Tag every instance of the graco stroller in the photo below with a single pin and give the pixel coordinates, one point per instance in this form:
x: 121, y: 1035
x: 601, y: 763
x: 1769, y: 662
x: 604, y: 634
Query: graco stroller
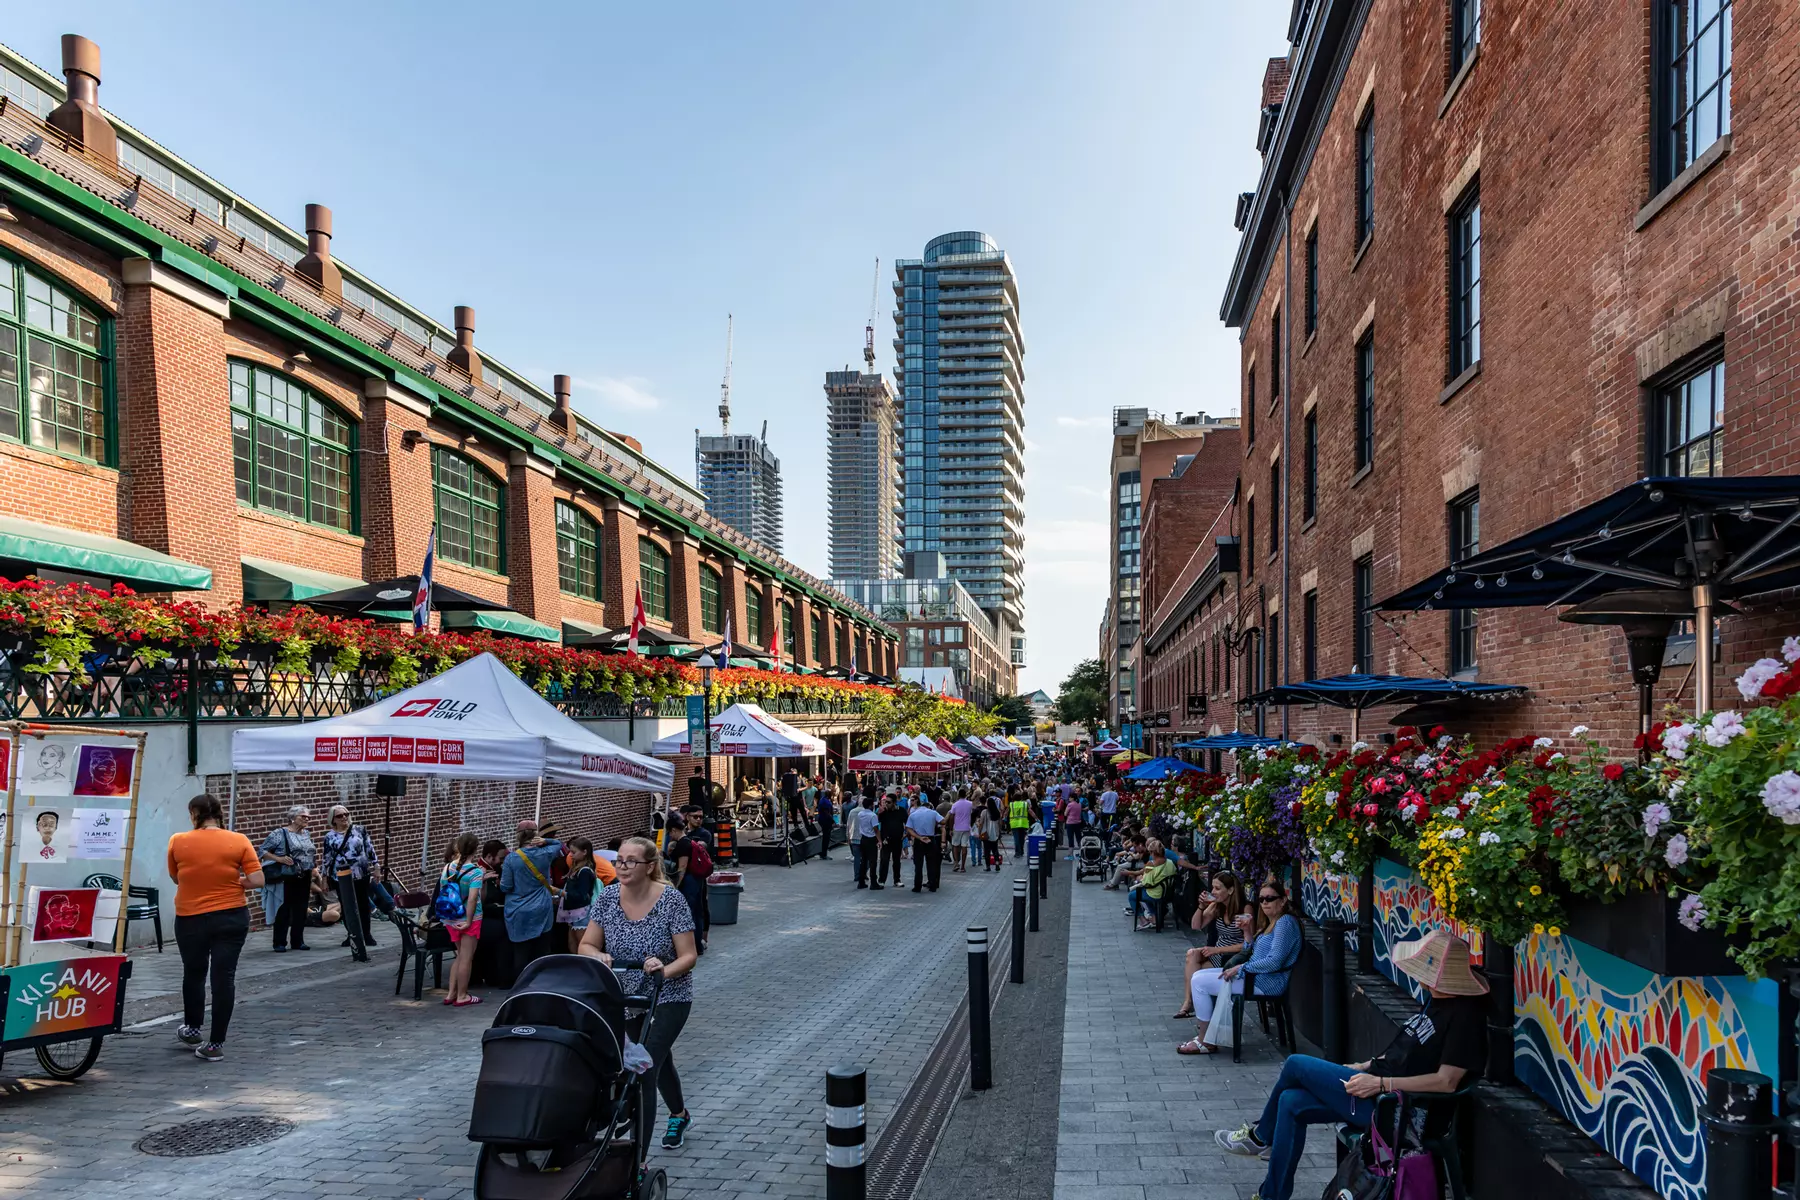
x: 556, y: 1111
x: 1090, y: 857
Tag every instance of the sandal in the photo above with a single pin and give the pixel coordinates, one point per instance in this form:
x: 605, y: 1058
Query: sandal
x: 466, y: 1001
x: 1188, y: 1015
x: 1196, y: 1047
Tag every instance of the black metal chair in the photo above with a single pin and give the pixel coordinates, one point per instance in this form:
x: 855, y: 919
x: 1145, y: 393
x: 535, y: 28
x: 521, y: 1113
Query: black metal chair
x: 1275, y: 1004
x: 150, y: 910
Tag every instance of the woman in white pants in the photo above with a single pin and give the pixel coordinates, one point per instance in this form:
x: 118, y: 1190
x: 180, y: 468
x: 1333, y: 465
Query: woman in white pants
x: 1272, y: 953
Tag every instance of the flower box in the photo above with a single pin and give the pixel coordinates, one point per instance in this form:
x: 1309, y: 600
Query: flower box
x: 262, y: 653
x: 1643, y: 930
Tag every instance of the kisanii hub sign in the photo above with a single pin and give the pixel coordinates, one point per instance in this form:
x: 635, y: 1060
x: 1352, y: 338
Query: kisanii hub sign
x: 60, y: 997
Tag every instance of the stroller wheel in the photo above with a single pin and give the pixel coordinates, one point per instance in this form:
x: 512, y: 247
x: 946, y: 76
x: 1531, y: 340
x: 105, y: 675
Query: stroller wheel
x: 655, y: 1185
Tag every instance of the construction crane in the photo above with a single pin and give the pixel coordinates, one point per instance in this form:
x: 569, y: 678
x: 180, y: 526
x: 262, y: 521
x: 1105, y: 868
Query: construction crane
x: 725, y: 387
x: 869, y: 329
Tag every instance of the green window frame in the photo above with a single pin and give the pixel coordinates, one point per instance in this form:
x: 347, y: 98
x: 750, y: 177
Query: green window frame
x: 753, y: 614
x: 577, y: 551
x: 818, y: 639
x: 62, y: 401
x: 653, y: 578
x: 789, y: 639
x: 471, y: 512
x: 712, y: 610
x: 293, y: 453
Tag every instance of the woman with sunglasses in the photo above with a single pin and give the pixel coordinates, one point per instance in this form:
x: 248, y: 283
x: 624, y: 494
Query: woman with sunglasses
x: 642, y: 918
x: 1272, y: 952
x: 1226, y: 915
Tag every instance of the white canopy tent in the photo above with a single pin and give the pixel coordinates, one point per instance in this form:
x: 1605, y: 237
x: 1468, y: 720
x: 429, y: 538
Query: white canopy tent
x: 475, y: 721
x: 746, y: 731
x: 900, y: 754
x: 931, y: 749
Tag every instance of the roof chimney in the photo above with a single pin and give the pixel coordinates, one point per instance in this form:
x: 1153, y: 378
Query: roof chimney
x: 464, y: 354
x: 79, y: 115
x: 317, y: 265
x: 564, y: 416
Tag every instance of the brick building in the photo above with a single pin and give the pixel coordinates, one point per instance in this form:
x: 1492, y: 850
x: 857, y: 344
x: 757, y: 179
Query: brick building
x: 181, y: 375
x: 1502, y: 261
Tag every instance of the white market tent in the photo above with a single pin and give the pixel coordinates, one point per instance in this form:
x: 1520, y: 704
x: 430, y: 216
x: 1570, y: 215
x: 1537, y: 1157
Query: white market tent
x: 899, y: 754
x: 998, y: 745
x: 746, y: 731
x: 475, y: 721
x: 931, y: 749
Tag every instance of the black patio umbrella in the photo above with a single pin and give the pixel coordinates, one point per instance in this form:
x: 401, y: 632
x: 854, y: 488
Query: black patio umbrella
x: 396, y: 595
x: 649, y: 637
x: 1357, y: 692
x: 1705, y: 539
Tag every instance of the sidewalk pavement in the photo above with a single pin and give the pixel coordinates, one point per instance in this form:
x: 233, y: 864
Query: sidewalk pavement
x: 1136, y: 1118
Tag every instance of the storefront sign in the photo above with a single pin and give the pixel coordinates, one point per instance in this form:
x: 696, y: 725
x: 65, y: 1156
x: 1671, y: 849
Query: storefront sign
x: 62, y: 997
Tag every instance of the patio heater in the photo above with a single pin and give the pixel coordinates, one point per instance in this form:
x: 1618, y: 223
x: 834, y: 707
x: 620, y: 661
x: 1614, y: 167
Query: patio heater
x: 1646, y: 616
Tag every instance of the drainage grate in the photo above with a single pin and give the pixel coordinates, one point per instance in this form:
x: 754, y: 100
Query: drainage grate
x: 898, y: 1159
x: 195, y: 1138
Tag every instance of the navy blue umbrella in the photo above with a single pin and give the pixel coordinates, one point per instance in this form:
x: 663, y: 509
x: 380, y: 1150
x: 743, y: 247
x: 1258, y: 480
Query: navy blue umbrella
x: 1357, y: 692
x: 1160, y: 768
x: 1232, y: 741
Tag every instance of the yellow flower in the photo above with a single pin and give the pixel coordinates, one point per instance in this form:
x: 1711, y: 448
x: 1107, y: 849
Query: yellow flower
x: 1555, y: 931
x: 1538, y: 928
x: 1536, y: 890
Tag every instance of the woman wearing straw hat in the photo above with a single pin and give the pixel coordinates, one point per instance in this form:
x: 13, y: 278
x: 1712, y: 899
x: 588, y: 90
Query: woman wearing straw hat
x: 1437, y: 1050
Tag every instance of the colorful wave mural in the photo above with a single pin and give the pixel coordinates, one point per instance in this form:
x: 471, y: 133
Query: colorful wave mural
x: 1329, y: 897
x: 1624, y: 1054
x: 1405, y: 909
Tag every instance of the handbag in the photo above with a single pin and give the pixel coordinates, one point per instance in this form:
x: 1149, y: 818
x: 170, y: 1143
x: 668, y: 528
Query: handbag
x: 276, y: 872
x: 1383, y: 1170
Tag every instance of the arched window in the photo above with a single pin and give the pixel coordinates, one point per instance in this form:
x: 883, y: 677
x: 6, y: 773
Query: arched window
x: 653, y: 577
x: 818, y: 639
x: 753, y: 614
x: 292, y: 452
x: 577, y: 551
x: 63, y: 401
x: 789, y: 639
x: 712, y: 611
x: 470, y: 508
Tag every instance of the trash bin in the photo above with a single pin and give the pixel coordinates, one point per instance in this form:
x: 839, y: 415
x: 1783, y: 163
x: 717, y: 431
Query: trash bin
x: 722, y: 891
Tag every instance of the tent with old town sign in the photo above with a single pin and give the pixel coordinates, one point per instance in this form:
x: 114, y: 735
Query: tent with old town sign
x: 746, y: 731
x: 899, y: 754
x: 475, y: 721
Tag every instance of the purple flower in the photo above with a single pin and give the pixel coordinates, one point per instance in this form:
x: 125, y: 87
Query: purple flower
x: 1722, y: 728
x: 1692, y: 913
x: 1654, y: 817
x: 1781, y: 796
x: 1750, y: 683
x: 1676, y: 737
x: 1677, y: 852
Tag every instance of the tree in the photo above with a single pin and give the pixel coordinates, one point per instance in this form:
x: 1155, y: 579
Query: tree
x: 1012, y: 710
x: 910, y: 709
x: 1082, y: 698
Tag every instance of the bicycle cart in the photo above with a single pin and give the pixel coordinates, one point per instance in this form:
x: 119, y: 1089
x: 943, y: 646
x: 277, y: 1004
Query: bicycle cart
x: 71, y: 800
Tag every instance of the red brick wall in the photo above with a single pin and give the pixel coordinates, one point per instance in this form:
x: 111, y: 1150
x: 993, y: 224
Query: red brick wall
x: 1177, y: 510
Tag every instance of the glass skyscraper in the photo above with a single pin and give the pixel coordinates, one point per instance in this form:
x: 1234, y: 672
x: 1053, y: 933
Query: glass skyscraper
x: 961, y: 367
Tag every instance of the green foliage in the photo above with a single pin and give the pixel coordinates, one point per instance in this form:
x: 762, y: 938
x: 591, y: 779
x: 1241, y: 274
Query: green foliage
x: 1082, y: 698
x: 1012, y: 710
x: 913, y: 710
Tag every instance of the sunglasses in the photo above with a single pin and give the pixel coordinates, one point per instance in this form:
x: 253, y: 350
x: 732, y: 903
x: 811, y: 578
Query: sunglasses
x: 1268, y: 899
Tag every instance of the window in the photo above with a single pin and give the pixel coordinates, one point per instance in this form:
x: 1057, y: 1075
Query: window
x: 953, y: 635
x: 1275, y: 355
x: 1215, y: 663
x: 291, y: 451
x: 1309, y: 634
x: 1363, y: 609
x: 653, y: 578
x: 1309, y: 449
x: 1465, y: 283
x: 63, y: 401
x: 1275, y: 507
x: 818, y: 638
x: 1465, y: 32
x: 469, y: 505
x: 1690, y: 422
x: 1365, y: 176
x: 789, y: 637
x: 1249, y: 535
x: 753, y: 614
x: 1312, y: 280
x: 1693, y: 88
x: 1273, y: 649
x: 1465, y: 542
x: 577, y: 551
x: 1250, y: 407
x: 712, y: 609
x: 1365, y: 400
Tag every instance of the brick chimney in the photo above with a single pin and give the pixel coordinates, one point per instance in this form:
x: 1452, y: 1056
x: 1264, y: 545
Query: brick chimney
x: 79, y: 116
x: 1275, y: 82
x: 317, y: 265
x: 463, y: 355
x: 564, y: 416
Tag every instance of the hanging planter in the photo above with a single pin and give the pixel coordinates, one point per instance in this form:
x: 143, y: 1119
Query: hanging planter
x: 1644, y: 929
x: 258, y: 653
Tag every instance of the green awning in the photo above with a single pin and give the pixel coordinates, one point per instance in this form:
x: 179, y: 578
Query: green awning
x: 797, y: 669
x: 573, y: 629
x: 510, y: 623
x: 756, y: 663
x: 101, y: 557
x: 266, y: 580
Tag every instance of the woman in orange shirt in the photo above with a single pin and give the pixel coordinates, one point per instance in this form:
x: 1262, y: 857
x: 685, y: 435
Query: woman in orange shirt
x: 211, y: 866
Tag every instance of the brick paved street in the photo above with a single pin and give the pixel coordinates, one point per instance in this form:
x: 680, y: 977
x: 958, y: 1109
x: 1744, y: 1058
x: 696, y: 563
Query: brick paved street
x: 815, y: 972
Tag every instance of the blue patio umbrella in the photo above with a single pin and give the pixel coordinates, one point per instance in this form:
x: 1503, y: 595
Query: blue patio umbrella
x: 1160, y: 768
x: 1704, y: 539
x: 1357, y: 692
x: 1233, y: 741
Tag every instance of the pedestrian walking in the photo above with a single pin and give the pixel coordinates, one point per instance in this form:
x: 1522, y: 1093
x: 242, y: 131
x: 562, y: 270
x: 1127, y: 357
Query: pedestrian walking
x: 530, y: 903
x: 1109, y: 807
x: 827, y: 814
x: 1019, y: 817
x: 1072, y: 822
x: 211, y: 866
x: 962, y: 824
x: 678, y: 868
x: 287, y: 862
x: 642, y: 918
x: 922, y: 825
x: 867, y: 846
x: 892, y: 819
x: 465, y: 874
x: 348, y: 863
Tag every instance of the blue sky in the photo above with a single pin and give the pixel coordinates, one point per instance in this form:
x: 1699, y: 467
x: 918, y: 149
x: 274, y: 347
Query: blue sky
x: 604, y: 182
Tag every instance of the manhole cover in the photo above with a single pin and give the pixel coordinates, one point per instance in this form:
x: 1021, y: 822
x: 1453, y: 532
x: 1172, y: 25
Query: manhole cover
x: 213, y: 1137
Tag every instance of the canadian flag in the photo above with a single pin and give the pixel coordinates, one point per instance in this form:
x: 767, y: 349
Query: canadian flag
x: 637, y: 620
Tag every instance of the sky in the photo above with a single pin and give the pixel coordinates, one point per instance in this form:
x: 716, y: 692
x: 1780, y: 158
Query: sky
x: 604, y: 182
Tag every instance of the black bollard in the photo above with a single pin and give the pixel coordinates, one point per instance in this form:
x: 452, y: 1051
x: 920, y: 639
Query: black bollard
x: 981, y: 1066
x: 1018, y: 930
x: 1497, y: 968
x: 1739, y: 1108
x: 846, y: 1132
x: 1031, y: 924
x: 1334, y: 1004
x: 1045, y: 854
x: 1365, y: 920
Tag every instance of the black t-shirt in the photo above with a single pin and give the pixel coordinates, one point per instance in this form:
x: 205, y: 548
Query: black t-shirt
x: 681, y: 848
x: 1445, y: 1032
x: 893, y: 823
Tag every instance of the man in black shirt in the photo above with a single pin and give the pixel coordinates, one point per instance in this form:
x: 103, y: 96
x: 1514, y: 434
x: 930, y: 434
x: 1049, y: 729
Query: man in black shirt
x: 1438, y: 1049
x: 892, y: 820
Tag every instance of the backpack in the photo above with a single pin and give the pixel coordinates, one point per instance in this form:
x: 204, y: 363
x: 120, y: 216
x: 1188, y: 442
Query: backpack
x: 700, y: 862
x: 447, y: 902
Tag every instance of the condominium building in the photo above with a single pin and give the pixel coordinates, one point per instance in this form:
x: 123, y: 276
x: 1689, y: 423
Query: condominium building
x: 741, y: 478
x: 960, y: 360
x: 862, y: 471
x: 940, y: 627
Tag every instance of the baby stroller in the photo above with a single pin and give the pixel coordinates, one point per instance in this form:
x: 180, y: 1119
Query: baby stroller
x: 556, y: 1110
x: 1090, y: 857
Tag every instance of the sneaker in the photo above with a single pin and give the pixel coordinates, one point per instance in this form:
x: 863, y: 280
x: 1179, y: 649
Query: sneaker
x: 677, y: 1131
x: 187, y: 1035
x: 211, y: 1052
x: 281, y: 949
x: 1241, y: 1141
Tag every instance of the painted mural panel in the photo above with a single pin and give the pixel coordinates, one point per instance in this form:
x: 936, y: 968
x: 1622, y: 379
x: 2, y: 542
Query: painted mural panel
x: 1624, y: 1054
x: 1406, y: 910
x: 1325, y: 897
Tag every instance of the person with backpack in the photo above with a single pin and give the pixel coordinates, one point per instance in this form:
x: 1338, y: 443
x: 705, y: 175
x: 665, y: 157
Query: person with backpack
x: 457, y: 906
x: 689, y: 865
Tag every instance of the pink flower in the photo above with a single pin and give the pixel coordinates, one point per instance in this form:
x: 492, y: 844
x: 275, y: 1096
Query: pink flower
x: 1692, y: 913
x: 1378, y: 785
x: 1781, y: 796
x: 1655, y: 815
x: 1677, y: 852
x: 1750, y: 683
x: 1676, y: 737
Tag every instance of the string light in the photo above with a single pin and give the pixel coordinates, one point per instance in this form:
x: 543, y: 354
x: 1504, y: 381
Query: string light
x: 1537, y: 572
x: 1500, y: 582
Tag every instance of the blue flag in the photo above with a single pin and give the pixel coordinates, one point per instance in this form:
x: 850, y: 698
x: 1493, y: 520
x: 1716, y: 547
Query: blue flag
x: 422, y: 598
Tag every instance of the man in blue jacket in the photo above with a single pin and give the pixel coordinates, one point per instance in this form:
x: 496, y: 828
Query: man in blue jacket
x: 530, y: 901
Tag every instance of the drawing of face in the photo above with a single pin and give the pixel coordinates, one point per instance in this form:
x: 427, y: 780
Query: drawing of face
x: 51, y: 760
x: 47, y: 822
x: 105, y: 770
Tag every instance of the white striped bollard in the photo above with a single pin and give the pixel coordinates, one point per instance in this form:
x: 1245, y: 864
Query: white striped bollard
x: 846, y: 1132
x: 981, y: 1066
